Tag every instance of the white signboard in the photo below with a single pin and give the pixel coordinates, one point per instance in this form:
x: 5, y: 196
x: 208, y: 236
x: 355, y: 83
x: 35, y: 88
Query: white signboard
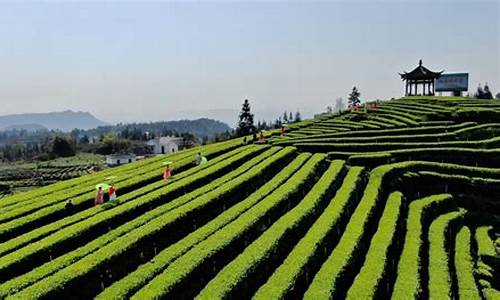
x: 458, y: 82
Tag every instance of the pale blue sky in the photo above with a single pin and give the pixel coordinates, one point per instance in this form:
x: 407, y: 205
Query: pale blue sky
x: 151, y: 61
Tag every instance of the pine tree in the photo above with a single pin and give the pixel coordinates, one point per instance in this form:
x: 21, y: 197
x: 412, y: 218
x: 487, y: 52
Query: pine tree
x: 290, y: 117
x: 479, y: 93
x: 285, y: 117
x: 354, y: 98
x: 487, y: 92
x: 298, y: 118
x: 245, y: 125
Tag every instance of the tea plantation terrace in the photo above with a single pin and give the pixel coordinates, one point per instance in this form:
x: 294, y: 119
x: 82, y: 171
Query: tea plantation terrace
x: 399, y: 200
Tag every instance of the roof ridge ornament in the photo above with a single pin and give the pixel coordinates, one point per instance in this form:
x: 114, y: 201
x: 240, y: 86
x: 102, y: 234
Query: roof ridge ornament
x: 420, y: 62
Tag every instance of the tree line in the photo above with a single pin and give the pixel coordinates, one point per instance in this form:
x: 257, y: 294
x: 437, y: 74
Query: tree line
x: 247, y: 126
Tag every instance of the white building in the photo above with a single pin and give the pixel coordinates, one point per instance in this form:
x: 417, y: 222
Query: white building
x: 166, y: 144
x: 119, y: 159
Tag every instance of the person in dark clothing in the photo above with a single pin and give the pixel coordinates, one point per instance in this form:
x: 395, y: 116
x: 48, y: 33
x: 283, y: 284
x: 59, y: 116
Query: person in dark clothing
x: 68, y: 207
x: 106, y: 197
x: 254, y: 137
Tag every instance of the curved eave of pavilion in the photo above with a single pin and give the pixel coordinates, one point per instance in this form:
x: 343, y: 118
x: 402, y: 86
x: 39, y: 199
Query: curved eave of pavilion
x: 427, y: 75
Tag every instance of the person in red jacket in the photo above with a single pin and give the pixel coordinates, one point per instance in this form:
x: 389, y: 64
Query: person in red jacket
x: 167, y: 173
x: 112, y: 192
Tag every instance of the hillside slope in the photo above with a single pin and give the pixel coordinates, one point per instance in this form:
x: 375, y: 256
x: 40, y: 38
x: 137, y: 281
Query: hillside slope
x: 398, y: 201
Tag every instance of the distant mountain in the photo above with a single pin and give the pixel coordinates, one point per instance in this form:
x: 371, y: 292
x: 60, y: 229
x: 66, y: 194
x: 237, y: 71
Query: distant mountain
x: 65, y: 120
x: 27, y: 127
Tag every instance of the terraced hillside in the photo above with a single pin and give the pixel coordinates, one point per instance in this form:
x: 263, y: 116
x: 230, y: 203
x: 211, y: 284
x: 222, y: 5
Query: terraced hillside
x: 398, y: 201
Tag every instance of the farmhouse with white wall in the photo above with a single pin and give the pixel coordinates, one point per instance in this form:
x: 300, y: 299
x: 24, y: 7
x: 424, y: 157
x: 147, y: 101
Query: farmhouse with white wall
x: 166, y: 144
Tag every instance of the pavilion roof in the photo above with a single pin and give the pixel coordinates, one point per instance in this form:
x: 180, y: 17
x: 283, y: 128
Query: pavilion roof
x: 420, y: 72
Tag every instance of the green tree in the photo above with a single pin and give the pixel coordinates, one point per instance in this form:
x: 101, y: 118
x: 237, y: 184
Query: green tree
x: 113, y: 144
x: 354, y: 99
x: 479, y: 92
x: 285, y: 117
x: 487, y: 92
x: 245, y: 124
x: 62, y: 147
x: 498, y: 96
x: 84, y: 140
x: 298, y: 118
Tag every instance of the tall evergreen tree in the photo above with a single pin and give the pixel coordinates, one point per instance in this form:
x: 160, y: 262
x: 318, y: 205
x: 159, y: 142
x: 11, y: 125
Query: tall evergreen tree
x: 298, y: 118
x: 354, y: 99
x: 245, y: 125
x: 290, y: 117
x: 480, y: 92
x: 487, y: 92
x: 285, y: 117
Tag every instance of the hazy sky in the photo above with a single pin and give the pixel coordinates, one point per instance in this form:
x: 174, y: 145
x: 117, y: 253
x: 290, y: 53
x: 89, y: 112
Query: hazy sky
x: 151, y: 61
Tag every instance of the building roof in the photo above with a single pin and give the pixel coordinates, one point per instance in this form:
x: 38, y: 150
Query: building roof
x: 164, y: 140
x: 170, y: 139
x: 420, y: 72
x: 118, y: 155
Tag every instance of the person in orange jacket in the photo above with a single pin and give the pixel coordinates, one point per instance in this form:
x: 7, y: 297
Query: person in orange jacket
x: 167, y: 173
x: 112, y: 192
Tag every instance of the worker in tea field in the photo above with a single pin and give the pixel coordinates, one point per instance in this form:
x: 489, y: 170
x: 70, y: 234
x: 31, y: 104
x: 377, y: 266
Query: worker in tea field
x: 167, y: 173
x: 68, y: 207
x: 99, y: 198
x: 254, y: 137
x: 112, y: 192
x: 282, y: 131
x: 262, y: 139
x: 198, y: 159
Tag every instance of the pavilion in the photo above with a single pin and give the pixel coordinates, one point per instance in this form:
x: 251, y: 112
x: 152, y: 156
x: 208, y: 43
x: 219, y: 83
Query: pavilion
x: 420, y: 76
